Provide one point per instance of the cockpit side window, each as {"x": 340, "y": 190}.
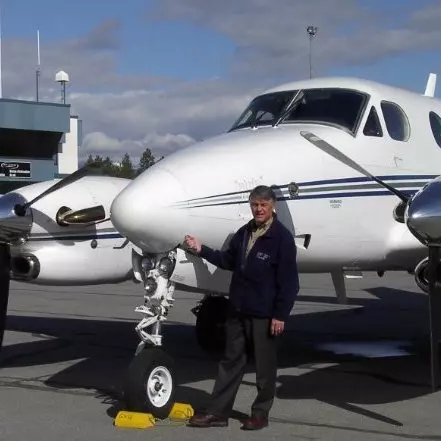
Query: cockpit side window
{"x": 397, "y": 123}
{"x": 373, "y": 126}
{"x": 435, "y": 125}
{"x": 264, "y": 110}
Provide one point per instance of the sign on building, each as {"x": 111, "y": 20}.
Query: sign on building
{"x": 9, "y": 169}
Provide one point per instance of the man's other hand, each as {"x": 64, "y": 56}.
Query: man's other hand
{"x": 277, "y": 327}
{"x": 192, "y": 244}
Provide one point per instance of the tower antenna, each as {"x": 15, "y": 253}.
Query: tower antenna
{"x": 37, "y": 72}
{"x": 1, "y": 79}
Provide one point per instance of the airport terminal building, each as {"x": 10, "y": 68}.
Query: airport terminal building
{"x": 38, "y": 141}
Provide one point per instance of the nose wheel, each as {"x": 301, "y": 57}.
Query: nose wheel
{"x": 149, "y": 385}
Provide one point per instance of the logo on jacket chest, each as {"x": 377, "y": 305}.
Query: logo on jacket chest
{"x": 262, "y": 256}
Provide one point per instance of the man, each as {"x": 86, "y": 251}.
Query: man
{"x": 264, "y": 285}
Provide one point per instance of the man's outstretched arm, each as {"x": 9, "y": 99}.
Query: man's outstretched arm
{"x": 223, "y": 259}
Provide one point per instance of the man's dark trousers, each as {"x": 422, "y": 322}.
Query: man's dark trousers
{"x": 246, "y": 336}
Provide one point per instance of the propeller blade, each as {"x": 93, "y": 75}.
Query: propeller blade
{"x": 5, "y": 264}
{"x": 337, "y": 154}
{"x": 434, "y": 312}
{"x": 80, "y": 217}
{"x": 75, "y": 176}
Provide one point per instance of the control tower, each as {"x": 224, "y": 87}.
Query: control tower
{"x": 38, "y": 141}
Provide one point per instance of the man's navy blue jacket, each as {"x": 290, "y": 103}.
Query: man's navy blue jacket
{"x": 265, "y": 283}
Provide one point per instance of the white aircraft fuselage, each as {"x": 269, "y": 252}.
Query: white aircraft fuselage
{"x": 203, "y": 190}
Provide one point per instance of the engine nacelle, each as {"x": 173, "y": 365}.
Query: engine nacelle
{"x": 25, "y": 267}
{"x": 76, "y": 263}
{"x": 422, "y": 275}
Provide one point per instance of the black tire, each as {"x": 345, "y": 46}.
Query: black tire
{"x": 210, "y": 324}
{"x": 139, "y": 377}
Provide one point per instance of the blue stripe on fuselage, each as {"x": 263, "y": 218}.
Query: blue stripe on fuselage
{"x": 314, "y": 183}
{"x": 327, "y": 195}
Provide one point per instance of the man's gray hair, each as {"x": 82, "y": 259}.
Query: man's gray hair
{"x": 263, "y": 192}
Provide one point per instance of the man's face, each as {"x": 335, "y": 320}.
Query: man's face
{"x": 262, "y": 210}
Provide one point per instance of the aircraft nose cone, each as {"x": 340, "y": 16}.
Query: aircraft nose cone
{"x": 13, "y": 227}
{"x": 424, "y": 214}
{"x": 146, "y": 212}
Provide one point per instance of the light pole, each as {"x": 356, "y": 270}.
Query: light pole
{"x": 312, "y": 32}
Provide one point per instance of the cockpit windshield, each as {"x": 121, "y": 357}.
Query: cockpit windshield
{"x": 338, "y": 107}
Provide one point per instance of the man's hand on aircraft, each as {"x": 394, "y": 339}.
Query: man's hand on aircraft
{"x": 192, "y": 244}
{"x": 277, "y": 327}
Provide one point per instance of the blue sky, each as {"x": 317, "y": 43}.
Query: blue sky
{"x": 169, "y": 72}
{"x": 157, "y": 48}
{"x": 184, "y": 49}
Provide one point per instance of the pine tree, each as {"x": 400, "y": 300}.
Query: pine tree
{"x": 146, "y": 161}
{"x": 126, "y": 169}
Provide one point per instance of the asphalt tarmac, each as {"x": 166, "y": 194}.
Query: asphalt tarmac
{"x": 356, "y": 372}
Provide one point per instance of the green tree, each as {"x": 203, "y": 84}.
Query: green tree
{"x": 126, "y": 170}
{"x": 109, "y": 168}
{"x": 146, "y": 161}
{"x": 98, "y": 159}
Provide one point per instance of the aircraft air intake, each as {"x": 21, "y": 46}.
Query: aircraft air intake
{"x": 25, "y": 267}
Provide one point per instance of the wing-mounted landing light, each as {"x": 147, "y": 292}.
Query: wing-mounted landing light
{"x": 15, "y": 225}
{"x": 423, "y": 218}
{"x": 86, "y": 216}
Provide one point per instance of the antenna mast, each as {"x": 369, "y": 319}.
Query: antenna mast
{"x": 37, "y": 72}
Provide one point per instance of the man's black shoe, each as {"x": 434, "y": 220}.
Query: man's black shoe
{"x": 207, "y": 420}
{"x": 254, "y": 423}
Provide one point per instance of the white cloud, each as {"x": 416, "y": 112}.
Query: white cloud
{"x": 271, "y": 36}
{"x": 122, "y": 113}
{"x": 102, "y": 144}
{"x": 168, "y": 118}
{"x": 126, "y": 113}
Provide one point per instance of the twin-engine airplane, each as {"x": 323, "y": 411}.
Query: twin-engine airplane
{"x": 368, "y": 213}
{"x": 374, "y": 212}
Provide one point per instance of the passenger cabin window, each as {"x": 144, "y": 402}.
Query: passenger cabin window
{"x": 396, "y": 121}
{"x": 435, "y": 125}
{"x": 373, "y": 126}
{"x": 342, "y": 108}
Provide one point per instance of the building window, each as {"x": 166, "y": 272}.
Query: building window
{"x": 435, "y": 125}
{"x": 373, "y": 126}
{"x": 396, "y": 121}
